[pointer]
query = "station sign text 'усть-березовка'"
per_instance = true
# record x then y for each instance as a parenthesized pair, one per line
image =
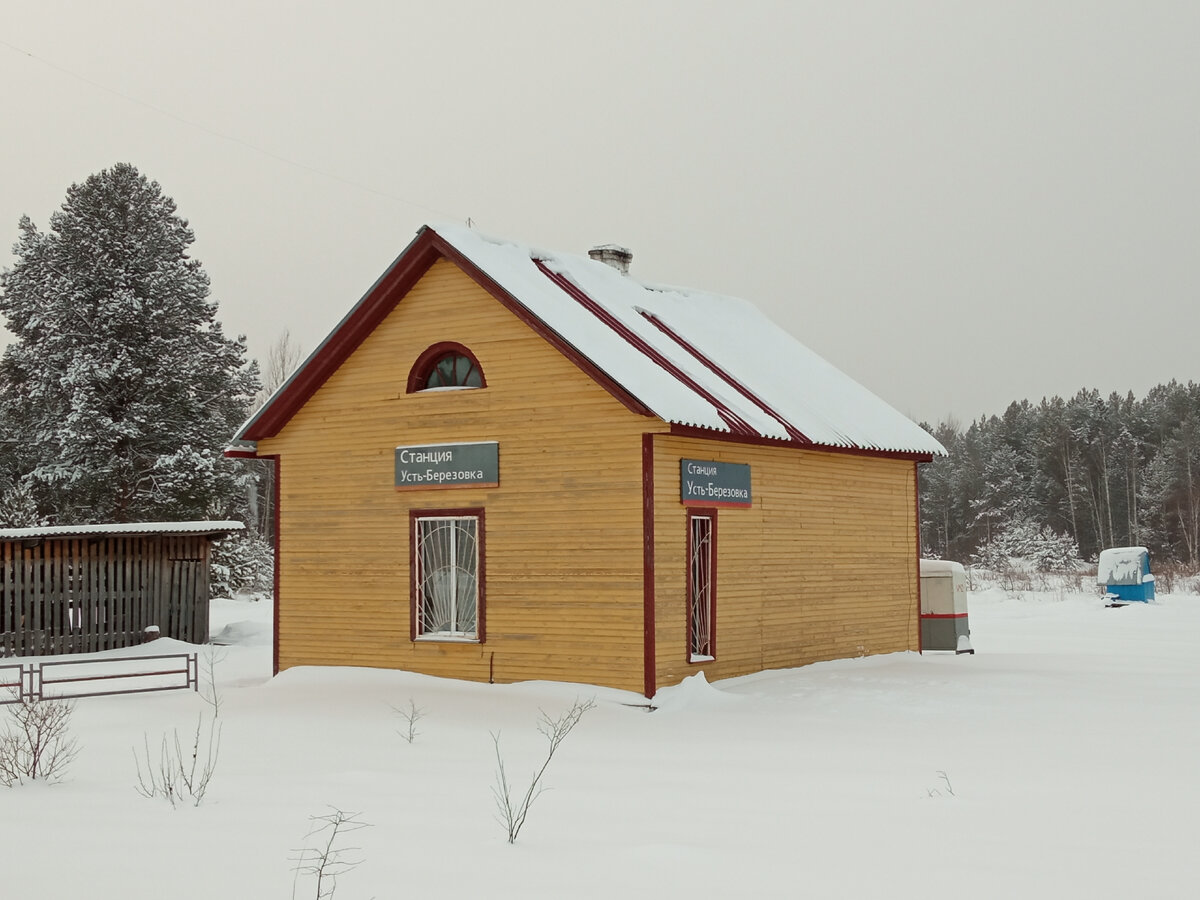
(448, 465)
(705, 482)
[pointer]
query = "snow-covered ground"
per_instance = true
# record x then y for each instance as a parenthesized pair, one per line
(1062, 760)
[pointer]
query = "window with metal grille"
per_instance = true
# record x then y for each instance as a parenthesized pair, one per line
(448, 576)
(701, 586)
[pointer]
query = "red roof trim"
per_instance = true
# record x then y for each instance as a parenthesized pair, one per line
(710, 435)
(408, 268)
(518, 309)
(794, 433)
(732, 419)
(374, 306)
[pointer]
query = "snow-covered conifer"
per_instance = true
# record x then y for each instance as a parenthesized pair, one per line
(120, 388)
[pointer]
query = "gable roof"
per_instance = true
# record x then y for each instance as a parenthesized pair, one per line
(690, 358)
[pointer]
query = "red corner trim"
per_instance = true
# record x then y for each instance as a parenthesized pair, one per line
(240, 453)
(794, 433)
(649, 662)
(732, 419)
(416, 259)
(917, 512)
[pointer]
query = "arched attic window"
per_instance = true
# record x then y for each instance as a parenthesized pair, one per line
(445, 365)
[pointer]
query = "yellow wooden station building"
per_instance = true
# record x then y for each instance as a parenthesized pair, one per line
(508, 464)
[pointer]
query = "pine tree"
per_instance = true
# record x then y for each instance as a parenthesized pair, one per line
(120, 388)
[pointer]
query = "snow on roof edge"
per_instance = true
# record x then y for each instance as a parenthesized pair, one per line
(856, 419)
(853, 418)
(195, 527)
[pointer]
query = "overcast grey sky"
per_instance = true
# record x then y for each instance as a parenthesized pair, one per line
(959, 204)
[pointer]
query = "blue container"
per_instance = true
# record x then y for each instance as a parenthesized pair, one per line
(1124, 573)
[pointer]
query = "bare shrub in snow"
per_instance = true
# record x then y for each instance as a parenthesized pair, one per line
(209, 693)
(328, 859)
(181, 775)
(1175, 577)
(37, 741)
(411, 715)
(512, 812)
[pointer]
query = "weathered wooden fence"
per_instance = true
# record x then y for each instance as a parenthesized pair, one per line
(81, 594)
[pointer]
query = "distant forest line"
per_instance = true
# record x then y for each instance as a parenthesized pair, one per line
(1067, 477)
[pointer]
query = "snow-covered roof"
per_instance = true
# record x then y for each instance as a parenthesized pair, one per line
(691, 358)
(941, 568)
(1120, 565)
(131, 528)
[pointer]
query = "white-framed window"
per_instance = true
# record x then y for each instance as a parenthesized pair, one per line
(448, 575)
(701, 585)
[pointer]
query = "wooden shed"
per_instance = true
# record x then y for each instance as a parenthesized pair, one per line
(508, 464)
(83, 588)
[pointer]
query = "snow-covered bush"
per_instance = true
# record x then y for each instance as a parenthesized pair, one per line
(1040, 548)
(18, 508)
(243, 562)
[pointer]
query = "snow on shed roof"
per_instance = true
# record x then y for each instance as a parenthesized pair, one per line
(125, 528)
(1121, 565)
(941, 568)
(689, 357)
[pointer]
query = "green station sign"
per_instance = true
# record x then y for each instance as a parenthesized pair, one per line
(448, 465)
(709, 483)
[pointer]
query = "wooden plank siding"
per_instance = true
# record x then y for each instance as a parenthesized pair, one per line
(82, 595)
(563, 529)
(823, 566)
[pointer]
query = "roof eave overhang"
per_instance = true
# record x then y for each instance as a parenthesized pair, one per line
(712, 435)
(248, 450)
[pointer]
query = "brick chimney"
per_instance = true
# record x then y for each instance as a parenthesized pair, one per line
(613, 255)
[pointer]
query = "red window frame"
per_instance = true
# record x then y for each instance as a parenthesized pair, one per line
(414, 515)
(697, 655)
(431, 356)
